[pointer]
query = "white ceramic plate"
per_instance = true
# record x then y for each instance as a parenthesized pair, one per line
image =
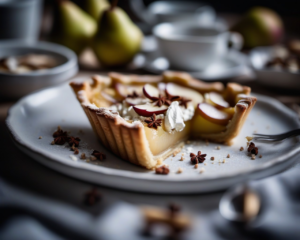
(233, 65)
(40, 113)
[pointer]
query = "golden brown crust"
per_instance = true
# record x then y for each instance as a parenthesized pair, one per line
(128, 140)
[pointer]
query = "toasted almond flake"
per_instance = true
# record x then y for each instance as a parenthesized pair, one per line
(182, 158)
(202, 170)
(196, 166)
(260, 156)
(82, 156)
(180, 170)
(212, 158)
(241, 149)
(218, 147)
(74, 158)
(93, 158)
(253, 156)
(40, 137)
(249, 138)
(228, 155)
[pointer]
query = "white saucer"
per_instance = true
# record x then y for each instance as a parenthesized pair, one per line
(233, 65)
(40, 113)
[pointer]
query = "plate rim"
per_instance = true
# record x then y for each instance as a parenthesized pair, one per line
(137, 176)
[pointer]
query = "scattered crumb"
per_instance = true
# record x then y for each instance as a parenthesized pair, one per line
(212, 158)
(52, 143)
(159, 162)
(182, 158)
(76, 151)
(206, 142)
(196, 166)
(260, 156)
(74, 158)
(224, 161)
(249, 138)
(218, 147)
(40, 137)
(82, 156)
(212, 162)
(188, 141)
(228, 155)
(202, 170)
(205, 164)
(93, 158)
(176, 152)
(87, 160)
(180, 170)
(253, 156)
(241, 149)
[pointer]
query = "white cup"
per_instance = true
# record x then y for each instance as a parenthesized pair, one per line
(191, 47)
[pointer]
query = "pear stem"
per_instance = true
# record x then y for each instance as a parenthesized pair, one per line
(113, 4)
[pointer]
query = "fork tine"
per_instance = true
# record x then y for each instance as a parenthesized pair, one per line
(278, 137)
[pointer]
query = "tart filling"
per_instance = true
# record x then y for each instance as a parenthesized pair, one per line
(144, 119)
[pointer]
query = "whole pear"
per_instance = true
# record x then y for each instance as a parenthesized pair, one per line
(72, 27)
(117, 39)
(260, 27)
(96, 7)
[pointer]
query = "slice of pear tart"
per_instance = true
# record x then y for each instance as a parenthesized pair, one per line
(144, 119)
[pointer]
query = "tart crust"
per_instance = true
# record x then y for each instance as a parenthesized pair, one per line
(128, 139)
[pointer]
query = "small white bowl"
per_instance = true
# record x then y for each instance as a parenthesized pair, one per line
(17, 85)
(272, 77)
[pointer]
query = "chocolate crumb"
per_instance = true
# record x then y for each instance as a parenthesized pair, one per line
(241, 149)
(212, 158)
(82, 156)
(260, 156)
(228, 155)
(76, 151)
(162, 170)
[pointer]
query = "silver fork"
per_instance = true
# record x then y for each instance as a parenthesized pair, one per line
(275, 138)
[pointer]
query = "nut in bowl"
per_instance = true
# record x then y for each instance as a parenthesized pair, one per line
(145, 119)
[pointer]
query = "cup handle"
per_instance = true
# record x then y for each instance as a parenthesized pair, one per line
(236, 40)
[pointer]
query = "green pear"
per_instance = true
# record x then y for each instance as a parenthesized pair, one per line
(96, 7)
(72, 27)
(117, 39)
(260, 27)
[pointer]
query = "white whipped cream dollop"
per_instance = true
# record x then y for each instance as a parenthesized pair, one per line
(174, 118)
(188, 112)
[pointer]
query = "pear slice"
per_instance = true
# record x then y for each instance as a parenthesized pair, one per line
(216, 100)
(125, 90)
(213, 114)
(177, 90)
(108, 97)
(149, 110)
(150, 91)
(135, 101)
